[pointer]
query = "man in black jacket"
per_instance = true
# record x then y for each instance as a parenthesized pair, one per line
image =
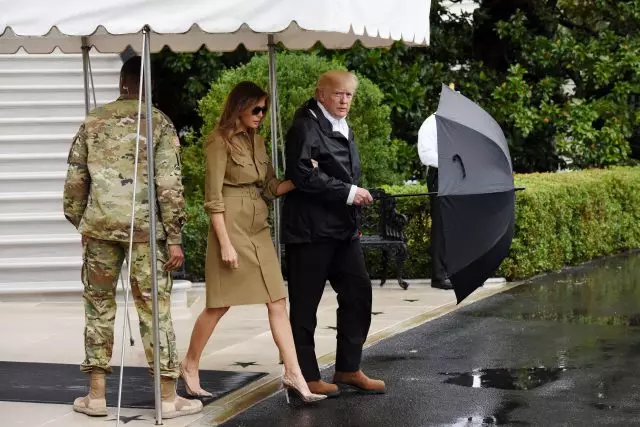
(320, 226)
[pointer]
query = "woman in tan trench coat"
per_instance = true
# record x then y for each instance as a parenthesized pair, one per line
(241, 263)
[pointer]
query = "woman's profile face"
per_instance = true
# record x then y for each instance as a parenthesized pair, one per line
(252, 116)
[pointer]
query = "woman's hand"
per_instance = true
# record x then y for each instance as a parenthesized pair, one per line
(229, 256)
(284, 187)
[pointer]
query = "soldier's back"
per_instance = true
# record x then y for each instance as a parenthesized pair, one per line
(111, 140)
(110, 137)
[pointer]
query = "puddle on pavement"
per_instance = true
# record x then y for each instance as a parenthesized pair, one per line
(501, 416)
(485, 422)
(603, 406)
(605, 293)
(505, 379)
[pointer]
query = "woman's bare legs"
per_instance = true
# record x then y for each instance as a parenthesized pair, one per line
(283, 337)
(202, 330)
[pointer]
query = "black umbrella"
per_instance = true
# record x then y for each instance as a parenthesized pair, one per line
(475, 190)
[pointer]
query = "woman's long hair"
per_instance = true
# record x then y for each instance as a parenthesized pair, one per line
(243, 96)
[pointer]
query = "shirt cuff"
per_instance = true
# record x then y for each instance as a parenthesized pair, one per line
(174, 240)
(214, 207)
(352, 194)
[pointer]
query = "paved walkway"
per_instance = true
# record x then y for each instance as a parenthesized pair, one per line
(559, 351)
(51, 332)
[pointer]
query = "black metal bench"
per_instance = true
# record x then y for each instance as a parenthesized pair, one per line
(383, 229)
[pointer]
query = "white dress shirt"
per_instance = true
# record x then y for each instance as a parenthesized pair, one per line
(428, 142)
(340, 125)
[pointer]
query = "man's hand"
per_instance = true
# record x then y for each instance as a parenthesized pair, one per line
(362, 197)
(176, 258)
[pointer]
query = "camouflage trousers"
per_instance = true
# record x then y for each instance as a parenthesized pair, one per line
(100, 274)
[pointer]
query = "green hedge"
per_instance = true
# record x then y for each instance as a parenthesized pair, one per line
(567, 218)
(561, 219)
(194, 238)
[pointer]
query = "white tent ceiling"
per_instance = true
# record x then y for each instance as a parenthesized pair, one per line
(39, 26)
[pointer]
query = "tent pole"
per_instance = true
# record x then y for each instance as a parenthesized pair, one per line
(273, 89)
(152, 223)
(282, 147)
(85, 74)
(125, 288)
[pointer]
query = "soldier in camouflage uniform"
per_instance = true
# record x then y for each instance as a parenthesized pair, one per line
(97, 201)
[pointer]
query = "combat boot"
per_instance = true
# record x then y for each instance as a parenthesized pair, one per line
(94, 404)
(173, 405)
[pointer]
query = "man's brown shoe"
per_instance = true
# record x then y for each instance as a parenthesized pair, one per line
(322, 387)
(359, 381)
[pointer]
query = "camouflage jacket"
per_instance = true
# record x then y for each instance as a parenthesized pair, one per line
(99, 186)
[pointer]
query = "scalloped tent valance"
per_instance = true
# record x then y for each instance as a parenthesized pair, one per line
(40, 26)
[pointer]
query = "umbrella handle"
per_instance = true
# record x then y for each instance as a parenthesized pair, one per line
(456, 157)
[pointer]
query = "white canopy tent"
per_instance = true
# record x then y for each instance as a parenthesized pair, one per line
(221, 25)
(110, 26)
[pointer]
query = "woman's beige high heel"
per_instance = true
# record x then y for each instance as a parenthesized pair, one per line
(289, 386)
(190, 391)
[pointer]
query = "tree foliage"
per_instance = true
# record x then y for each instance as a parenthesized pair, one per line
(182, 79)
(574, 82)
(560, 76)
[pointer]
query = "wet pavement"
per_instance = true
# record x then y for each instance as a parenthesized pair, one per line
(560, 350)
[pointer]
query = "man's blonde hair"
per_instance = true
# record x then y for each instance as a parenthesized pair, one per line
(337, 79)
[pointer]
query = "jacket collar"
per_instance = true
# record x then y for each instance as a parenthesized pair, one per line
(315, 111)
(333, 120)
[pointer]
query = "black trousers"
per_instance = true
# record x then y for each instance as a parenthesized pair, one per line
(309, 266)
(438, 272)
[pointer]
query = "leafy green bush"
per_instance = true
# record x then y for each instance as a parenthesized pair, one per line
(194, 238)
(297, 76)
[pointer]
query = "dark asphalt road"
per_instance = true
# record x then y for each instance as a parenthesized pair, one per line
(562, 350)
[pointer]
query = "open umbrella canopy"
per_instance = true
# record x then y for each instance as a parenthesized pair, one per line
(39, 26)
(476, 192)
